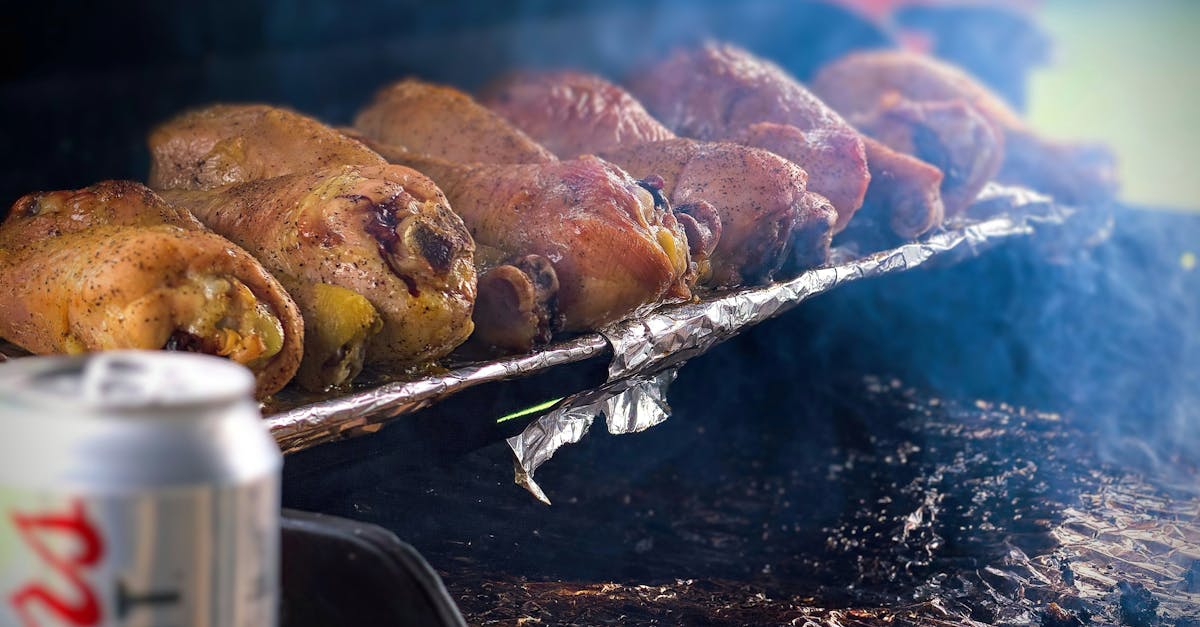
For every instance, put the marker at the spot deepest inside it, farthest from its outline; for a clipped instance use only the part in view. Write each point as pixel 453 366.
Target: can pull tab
pixel 123 380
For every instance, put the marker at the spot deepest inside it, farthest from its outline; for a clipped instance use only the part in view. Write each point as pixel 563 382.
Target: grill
pixel 995 425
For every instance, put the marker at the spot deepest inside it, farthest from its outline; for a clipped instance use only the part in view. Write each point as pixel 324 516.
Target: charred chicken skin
pixel 381 232
pixel 594 244
pixel 444 123
pixel 113 266
pixel 755 193
pixel 378 263
pixel 857 83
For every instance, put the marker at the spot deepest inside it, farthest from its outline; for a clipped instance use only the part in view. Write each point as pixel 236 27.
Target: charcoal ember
pixel 1137 607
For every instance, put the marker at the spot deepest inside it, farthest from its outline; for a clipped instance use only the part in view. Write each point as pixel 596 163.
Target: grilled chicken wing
pixel 1073 174
pixel 444 123
pixel 718 91
pixel 755 194
pixel 573 113
pixel 225 144
pixel 114 266
pixel 610 248
pixel 383 232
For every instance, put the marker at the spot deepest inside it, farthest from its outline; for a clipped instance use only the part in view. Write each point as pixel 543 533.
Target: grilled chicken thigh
pixel 114 266
pixel 857 83
pixel 755 193
pixel 445 123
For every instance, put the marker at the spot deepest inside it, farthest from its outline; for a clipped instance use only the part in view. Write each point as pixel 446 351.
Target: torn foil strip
pixel 629 405
pixel 663 338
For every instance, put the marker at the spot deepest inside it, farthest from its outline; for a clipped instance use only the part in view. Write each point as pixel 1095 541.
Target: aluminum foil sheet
pixel 629 405
pixel 663 338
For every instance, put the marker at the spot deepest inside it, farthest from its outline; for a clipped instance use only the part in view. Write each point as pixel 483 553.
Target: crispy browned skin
pixel 905 192
pixel 612 250
pixel 573 113
pixel 1074 174
pixel 757 195
pixel 225 144
pixel 113 266
pixel 383 231
pixel 718 91
pixel 444 123
pixel 754 193
pixel 951 136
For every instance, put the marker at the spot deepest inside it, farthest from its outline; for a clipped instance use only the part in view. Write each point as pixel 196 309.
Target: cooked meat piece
pixel 950 135
pixel 905 192
pixel 224 144
pixel 718 91
pixel 39 215
pixel 573 113
pixel 857 82
pixel 757 195
pixel 444 123
pixel 344 309
pixel 612 247
pixel 834 162
pixel 813 234
pixel 383 232
pixel 113 266
pixel 753 193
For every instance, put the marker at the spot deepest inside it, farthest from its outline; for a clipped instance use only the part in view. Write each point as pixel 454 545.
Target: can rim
pixel 126 380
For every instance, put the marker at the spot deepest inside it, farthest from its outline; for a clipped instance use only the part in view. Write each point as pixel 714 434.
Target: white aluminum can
pixel 136 489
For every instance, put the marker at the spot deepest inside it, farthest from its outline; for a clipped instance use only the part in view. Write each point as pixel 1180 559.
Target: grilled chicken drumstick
pixel 445 123
pixel 756 194
pixel 719 91
pixel 568 245
pixel 857 83
pixel 592 244
pixel 114 266
pixel 381 232
pixel 380 266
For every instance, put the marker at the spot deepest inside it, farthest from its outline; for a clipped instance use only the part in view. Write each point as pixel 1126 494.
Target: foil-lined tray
pixel 655 342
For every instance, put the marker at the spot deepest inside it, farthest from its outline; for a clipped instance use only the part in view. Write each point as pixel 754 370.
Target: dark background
pixel 81 84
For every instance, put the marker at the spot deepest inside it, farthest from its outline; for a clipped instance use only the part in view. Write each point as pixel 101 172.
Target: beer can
pixel 136 489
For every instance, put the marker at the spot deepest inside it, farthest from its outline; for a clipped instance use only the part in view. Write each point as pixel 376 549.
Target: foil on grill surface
pixel 661 339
